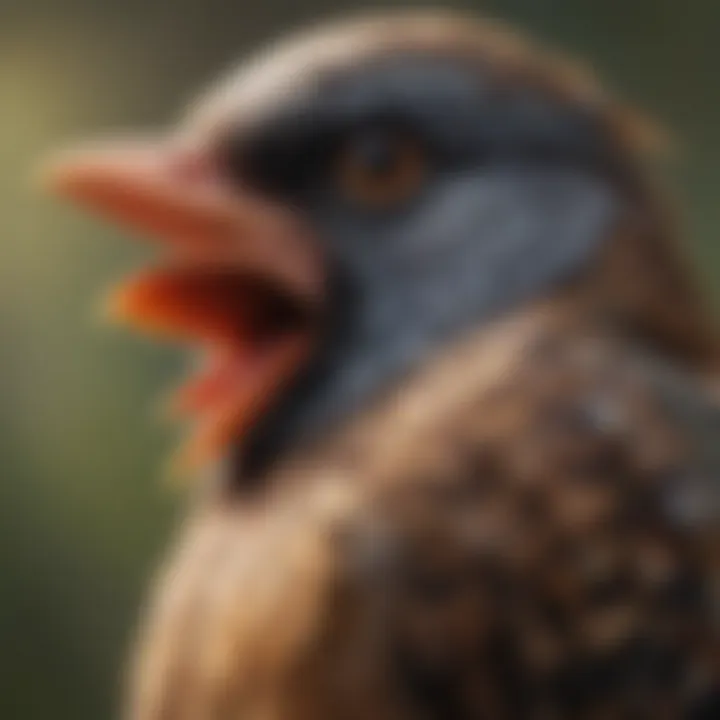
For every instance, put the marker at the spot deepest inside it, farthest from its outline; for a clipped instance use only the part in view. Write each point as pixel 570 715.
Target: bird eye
pixel 381 169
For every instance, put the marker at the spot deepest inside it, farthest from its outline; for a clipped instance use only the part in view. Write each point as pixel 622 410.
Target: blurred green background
pixel 83 516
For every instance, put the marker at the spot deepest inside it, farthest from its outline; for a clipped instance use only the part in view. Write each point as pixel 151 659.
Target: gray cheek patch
pixel 492 242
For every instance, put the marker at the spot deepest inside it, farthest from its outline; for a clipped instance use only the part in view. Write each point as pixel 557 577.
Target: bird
pixel 454 424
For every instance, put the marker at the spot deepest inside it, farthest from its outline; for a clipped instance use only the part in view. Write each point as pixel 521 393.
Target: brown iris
pixel 381 169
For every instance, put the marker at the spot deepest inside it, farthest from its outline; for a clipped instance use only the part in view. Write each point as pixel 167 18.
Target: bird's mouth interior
pixel 237 275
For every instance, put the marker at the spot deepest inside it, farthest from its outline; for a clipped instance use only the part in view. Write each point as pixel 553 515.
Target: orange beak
pixel 241 276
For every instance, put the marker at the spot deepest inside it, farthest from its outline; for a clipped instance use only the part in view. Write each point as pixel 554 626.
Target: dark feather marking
pixel 628 617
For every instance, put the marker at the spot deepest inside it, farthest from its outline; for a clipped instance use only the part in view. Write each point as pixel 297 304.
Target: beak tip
pixel 56 172
pixel 77 172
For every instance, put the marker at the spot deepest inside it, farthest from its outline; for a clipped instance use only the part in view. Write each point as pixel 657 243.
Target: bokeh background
pixel 83 516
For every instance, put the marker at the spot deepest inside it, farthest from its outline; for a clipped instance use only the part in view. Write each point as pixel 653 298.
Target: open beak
pixel 239 274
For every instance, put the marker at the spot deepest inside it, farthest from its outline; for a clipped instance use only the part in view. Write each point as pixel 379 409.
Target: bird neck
pixel 372 342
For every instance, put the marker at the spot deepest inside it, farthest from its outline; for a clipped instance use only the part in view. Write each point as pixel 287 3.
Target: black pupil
pixel 377 153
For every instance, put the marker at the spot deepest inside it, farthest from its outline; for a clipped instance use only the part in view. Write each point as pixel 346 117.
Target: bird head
pixel 356 199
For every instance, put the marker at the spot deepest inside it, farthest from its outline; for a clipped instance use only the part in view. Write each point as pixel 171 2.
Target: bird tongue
pixel 251 344
pixel 239 278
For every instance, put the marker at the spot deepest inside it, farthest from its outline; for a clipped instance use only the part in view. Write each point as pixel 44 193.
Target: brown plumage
pixel 503 539
pixel 523 526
